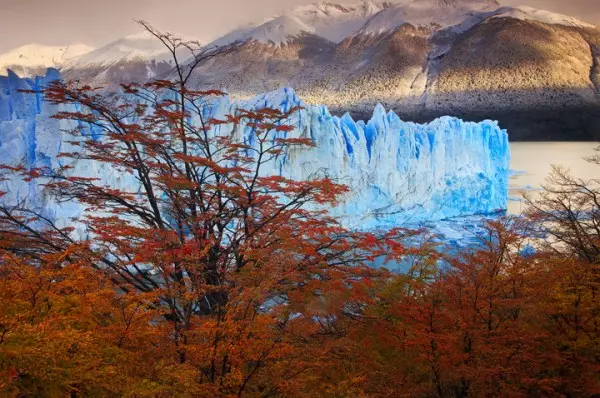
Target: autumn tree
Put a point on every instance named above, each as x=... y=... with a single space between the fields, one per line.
x=566 y=214
x=244 y=267
x=191 y=269
x=468 y=324
x=515 y=315
x=66 y=331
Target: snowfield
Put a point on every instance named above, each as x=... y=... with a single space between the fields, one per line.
x=28 y=59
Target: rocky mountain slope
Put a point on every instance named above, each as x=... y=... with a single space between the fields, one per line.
x=134 y=58
x=535 y=71
x=330 y=21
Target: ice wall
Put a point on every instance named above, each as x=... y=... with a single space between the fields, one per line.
x=399 y=172
x=28 y=135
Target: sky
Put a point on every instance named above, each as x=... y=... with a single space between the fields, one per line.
x=93 y=22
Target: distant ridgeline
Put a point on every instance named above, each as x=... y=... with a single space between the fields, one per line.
x=399 y=172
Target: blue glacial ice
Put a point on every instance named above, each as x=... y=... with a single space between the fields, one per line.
x=399 y=172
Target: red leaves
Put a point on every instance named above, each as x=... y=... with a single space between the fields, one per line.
x=206 y=277
x=203 y=162
x=481 y=326
x=25 y=174
x=204 y=93
x=211 y=279
x=14 y=169
x=177 y=183
x=294 y=141
x=370 y=240
x=217 y=122
x=157 y=85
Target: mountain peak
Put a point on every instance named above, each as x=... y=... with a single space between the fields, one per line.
x=459 y=14
x=530 y=13
x=458 y=3
x=331 y=21
x=31 y=58
x=141 y=35
x=426 y=13
x=138 y=46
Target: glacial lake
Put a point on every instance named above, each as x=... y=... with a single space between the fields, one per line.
x=532 y=163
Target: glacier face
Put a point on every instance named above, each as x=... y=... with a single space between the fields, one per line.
x=398 y=172
x=28 y=135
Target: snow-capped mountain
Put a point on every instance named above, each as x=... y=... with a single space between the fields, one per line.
x=536 y=71
x=133 y=58
x=427 y=14
x=142 y=46
x=330 y=21
x=138 y=56
x=336 y=22
x=526 y=13
x=31 y=59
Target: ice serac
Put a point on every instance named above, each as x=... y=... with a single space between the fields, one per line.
x=398 y=172
x=28 y=135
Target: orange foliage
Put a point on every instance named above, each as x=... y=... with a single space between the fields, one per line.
x=213 y=279
x=490 y=322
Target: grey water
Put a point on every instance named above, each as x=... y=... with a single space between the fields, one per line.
x=532 y=163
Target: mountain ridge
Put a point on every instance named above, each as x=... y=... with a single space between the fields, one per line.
x=530 y=69
x=33 y=58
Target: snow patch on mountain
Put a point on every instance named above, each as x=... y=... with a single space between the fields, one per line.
x=434 y=14
x=27 y=60
x=335 y=22
x=330 y=21
x=280 y=29
x=142 y=46
x=532 y=14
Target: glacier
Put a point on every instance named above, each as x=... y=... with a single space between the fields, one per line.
x=399 y=173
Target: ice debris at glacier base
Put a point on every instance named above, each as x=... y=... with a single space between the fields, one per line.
x=399 y=172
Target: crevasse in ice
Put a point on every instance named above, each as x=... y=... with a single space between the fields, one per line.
x=399 y=172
